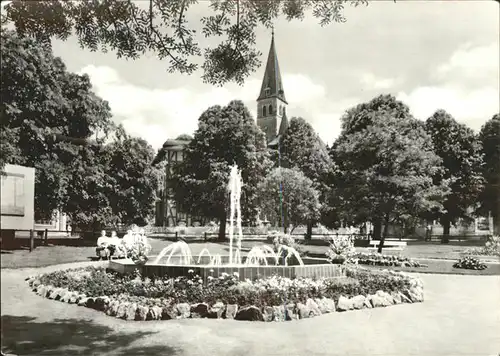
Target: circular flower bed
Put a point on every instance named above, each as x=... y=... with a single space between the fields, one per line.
x=133 y=297
x=470 y=263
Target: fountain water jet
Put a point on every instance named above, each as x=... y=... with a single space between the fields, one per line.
x=179 y=246
x=202 y=253
x=234 y=186
x=261 y=260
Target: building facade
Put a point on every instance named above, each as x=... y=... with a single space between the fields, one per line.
x=167 y=209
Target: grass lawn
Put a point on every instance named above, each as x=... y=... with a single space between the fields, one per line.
x=53 y=255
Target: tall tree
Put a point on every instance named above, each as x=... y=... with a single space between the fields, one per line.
x=490 y=197
x=363 y=115
x=135 y=181
x=298 y=201
x=386 y=170
x=355 y=120
x=133 y=27
x=460 y=151
x=41 y=102
x=87 y=201
x=303 y=149
x=225 y=136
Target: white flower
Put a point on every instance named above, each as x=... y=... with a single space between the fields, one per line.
x=236 y=274
x=190 y=271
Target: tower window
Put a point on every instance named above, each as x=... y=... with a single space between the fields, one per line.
x=281 y=109
x=267 y=91
x=264 y=111
x=270 y=109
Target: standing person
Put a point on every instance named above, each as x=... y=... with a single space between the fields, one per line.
x=428 y=232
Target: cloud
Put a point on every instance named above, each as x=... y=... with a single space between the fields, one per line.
x=468 y=87
x=300 y=89
x=371 y=81
x=471 y=108
x=472 y=63
x=158 y=114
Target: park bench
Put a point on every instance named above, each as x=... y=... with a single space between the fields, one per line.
x=388 y=245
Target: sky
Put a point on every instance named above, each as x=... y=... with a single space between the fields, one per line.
x=430 y=54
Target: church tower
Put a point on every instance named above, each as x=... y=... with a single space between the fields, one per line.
x=271 y=103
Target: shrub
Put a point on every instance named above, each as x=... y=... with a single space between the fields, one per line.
x=490 y=248
x=271 y=235
x=469 y=262
x=341 y=248
x=279 y=239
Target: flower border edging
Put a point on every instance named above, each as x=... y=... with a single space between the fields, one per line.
x=292 y=311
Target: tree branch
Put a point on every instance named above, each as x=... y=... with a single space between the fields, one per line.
x=179 y=23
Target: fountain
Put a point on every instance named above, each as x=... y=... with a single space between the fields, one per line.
x=262 y=261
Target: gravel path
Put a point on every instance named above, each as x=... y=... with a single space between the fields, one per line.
x=460 y=316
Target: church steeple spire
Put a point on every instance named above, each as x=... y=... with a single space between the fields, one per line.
x=272 y=85
x=271 y=103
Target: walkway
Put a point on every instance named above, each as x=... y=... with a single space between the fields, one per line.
x=459 y=317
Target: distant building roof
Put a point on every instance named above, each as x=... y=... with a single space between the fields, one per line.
x=169 y=145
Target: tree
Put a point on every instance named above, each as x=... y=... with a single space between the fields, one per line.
x=302 y=148
x=134 y=179
x=41 y=102
x=9 y=150
x=363 y=115
x=131 y=28
x=358 y=119
x=460 y=151
x=298 y=201
x=225 y=136
x=385 y=171
x=490 y=196
x=88 y=200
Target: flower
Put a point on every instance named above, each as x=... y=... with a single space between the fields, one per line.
x=341 y=246
x=138 y=249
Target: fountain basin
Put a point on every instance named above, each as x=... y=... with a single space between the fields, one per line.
x=312 y=268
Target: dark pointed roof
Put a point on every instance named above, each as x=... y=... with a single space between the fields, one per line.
x=283 y=125
x=272 y=76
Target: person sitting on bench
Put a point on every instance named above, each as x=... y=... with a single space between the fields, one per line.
x=102 y=250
